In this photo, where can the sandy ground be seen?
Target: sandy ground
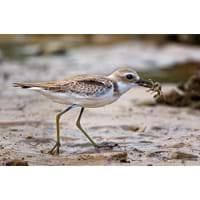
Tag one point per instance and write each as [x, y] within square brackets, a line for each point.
[146, 135]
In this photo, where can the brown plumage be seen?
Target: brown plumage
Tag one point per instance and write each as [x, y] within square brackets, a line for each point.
[84, 84]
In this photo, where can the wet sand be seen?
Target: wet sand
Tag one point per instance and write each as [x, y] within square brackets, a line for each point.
[145, 134]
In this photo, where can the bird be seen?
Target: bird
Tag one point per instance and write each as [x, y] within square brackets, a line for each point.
[86, 91]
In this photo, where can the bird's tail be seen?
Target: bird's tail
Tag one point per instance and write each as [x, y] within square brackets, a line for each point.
[23, 85]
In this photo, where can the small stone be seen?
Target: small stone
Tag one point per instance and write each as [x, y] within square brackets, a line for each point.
[183, 156]
[178, 145]
[121, 156]
[29, 137]
[16, 162]
[130, 128]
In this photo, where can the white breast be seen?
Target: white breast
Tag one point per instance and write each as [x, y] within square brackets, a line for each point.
[124, 87]
[82, 100]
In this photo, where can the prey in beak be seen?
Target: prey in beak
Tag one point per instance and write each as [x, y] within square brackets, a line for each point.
[153, 86]
[145, 83]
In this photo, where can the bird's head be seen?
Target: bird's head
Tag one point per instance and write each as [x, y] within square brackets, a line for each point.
[126, 78]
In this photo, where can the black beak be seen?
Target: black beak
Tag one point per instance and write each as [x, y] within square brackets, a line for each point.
[144, 83]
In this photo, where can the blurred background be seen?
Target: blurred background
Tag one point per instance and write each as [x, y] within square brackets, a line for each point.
[166, 58]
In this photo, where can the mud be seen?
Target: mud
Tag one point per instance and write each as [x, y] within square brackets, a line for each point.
[146, 134]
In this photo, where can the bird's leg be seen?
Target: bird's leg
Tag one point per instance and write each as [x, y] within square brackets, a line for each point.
[78, 124]
[56, 147]
[104, 145]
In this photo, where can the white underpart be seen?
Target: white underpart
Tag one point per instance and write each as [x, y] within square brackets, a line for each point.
[73, 98]
[124, 87]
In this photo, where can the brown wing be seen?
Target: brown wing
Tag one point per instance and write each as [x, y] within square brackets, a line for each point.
[53, 86]
[84, 85]
[88, 85]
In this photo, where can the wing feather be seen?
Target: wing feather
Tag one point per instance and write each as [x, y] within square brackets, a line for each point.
[85, 85]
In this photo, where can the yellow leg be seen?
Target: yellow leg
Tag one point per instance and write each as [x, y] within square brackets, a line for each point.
[78, 124]
[56, 147]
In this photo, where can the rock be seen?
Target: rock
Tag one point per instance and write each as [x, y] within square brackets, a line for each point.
[121, 157]
[16, 162]
[192, 85]
[130, 128]
[187, 94]
[183, 156]
[172, 98]
[28, 137]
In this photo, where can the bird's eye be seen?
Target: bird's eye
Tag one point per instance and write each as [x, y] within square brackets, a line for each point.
[129, 76]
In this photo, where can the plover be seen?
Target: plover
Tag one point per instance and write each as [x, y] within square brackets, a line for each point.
[86, 91]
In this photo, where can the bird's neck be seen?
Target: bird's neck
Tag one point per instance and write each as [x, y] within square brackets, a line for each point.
[119, 86]
[123, 87]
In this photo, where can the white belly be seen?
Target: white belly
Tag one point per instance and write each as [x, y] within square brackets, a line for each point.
[85, 101]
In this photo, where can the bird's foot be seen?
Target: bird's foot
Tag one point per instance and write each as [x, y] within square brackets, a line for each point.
[55, 150]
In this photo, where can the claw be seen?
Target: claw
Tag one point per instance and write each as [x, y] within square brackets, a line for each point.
[156, 88]
[55, 150]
